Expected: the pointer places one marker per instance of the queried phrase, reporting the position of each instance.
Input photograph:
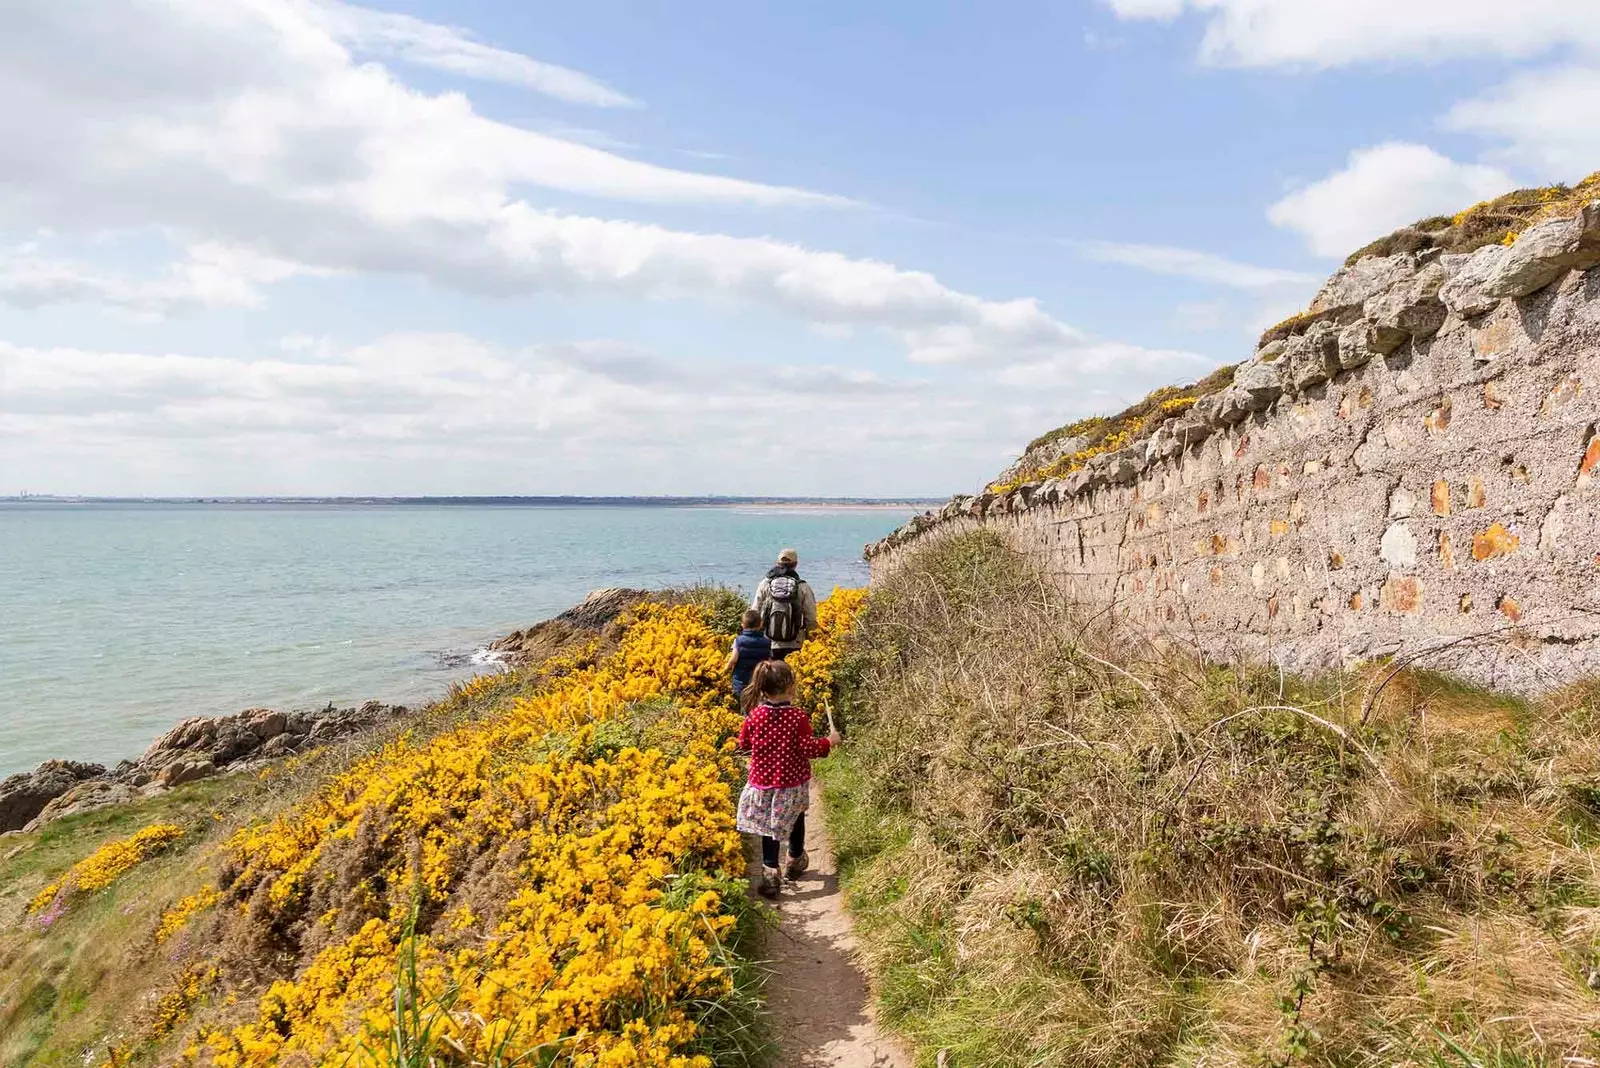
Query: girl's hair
(771, 678)
(751, 619)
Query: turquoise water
(118, 620)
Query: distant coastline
(500, 501)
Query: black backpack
(784, 618)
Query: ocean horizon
(124, 616)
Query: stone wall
(1412, 467)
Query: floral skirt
(772, 813)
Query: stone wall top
(1366, 310)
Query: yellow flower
(107, 864)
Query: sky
(838, 249)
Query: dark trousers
(783, 654)
(797, 843)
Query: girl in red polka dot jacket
(777, 735)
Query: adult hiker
(787, 607)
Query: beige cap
(789, 556)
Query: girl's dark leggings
(797, 843)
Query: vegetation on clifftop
(1103, 434)
(1064, 846)
(1488, 222)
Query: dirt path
(818, 998)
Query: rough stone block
(1439, 497)
(1402, 594)
(1353, 348)
(1543, 253)
(1398, 547)
(1463, 293)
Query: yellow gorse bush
(175, 918)
(555, 876)
(813, 663)
(108, 864)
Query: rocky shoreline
(196, 748)
(203, 746)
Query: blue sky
(301, 246)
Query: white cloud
(251, 127)
(427, 44)
(1199, 266)
(584, 417)
(1381, 188)
(1331, 33)
(213, 275)
(125, 108)
(1547, 121)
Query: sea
(118, 619)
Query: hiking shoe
(769, 883)
(798, 865)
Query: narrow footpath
(818, 999)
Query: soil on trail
(818, 999)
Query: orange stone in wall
(1336, 561)
(1494, 543)
(1492, 398)
(1447, 552)
(1440, 497)
(1438, 420)
(1278, 528)
(1465, 604)
(1510, 608)
(1403, 594)
(1262, 478)
(1590, 461)
(1355, 601)
(1476, 497)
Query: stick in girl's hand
(834, 737)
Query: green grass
(1066, 846)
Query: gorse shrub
(105, 866)
(1068, 846)
(552, 877)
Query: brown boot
(798, 865)
(769, 884)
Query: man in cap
(787, 606)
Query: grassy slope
(1064, 848)
(96, 976)
(69, 991)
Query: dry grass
(1496, 221)
(1102, 433)
(1067, 846)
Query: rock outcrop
(577, 624)
(26, 794)
(1263, 521)
(194, 749)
